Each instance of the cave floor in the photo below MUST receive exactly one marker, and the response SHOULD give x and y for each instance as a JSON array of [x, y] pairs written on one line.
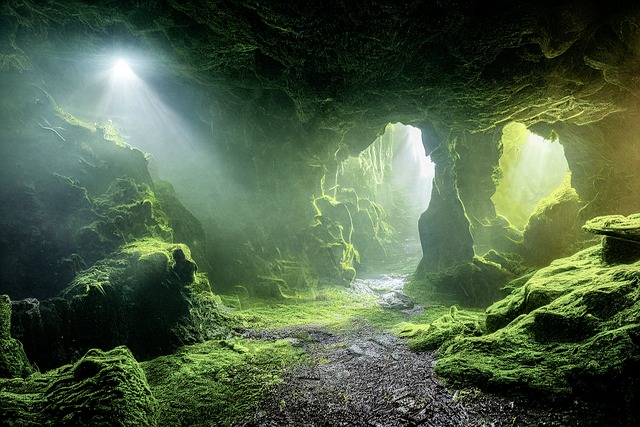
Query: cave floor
[[357, 374]]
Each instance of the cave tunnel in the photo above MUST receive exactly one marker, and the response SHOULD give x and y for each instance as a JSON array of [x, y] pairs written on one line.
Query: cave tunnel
[[246, 213]]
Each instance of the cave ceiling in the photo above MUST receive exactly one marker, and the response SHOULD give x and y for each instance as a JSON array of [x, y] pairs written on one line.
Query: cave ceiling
[[353, 66]]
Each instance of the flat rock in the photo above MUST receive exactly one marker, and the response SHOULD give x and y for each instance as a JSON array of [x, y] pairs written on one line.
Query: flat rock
[[621, 242], [619, 226]]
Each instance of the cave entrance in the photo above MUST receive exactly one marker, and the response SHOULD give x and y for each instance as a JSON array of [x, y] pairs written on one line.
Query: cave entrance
[[530, 168], [396, 174]]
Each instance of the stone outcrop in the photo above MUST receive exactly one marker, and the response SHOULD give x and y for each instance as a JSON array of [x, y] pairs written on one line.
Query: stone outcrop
[[100, 389], [621, 237], [137, 297], [13, 360]]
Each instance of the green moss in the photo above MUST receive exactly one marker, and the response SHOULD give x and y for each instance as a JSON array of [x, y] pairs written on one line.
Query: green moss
[[477, 283], [571, 328], [217, 382], [66, 116], [129, 211], [5, 317], [100, 389], [455, 323], [143, 296], [553, 230], [331, 307], [13, 360]]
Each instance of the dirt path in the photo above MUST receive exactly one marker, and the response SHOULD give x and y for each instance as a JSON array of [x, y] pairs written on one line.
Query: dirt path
[[361, 377]]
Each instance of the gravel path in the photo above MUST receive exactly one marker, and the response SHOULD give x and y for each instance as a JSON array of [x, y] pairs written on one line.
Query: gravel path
[[361, 377]]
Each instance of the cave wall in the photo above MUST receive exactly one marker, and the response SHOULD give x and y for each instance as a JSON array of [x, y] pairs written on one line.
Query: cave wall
[[289, 92], [603, 158]]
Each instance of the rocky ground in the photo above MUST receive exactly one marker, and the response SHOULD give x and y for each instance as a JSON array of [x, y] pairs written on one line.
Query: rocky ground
[[362, 377]]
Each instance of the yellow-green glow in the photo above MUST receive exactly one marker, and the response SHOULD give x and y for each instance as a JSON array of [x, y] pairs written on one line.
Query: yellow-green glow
[[531, 167]]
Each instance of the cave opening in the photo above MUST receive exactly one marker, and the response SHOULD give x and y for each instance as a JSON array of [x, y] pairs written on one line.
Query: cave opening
[[219, 229], [530, 168], [395, 173]]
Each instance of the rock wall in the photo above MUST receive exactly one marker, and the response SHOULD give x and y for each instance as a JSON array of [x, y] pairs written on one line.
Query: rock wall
[[88, 255], [289, 92]]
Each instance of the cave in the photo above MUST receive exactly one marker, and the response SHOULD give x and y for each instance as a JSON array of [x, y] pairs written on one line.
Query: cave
[[249, 213]]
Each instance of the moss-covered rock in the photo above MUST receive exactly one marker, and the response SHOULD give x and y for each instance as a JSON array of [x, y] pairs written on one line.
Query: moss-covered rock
[[476, 283], [431, 336], [13, 360], [621, 241], [216, 382], [186, 227], [570, 329], [100, 389], [137, 297], [553, 230]]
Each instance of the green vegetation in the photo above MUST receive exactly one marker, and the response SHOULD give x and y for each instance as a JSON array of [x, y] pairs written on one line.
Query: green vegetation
[[455, 323], [217, 382], [101, 389], [569, 329], [332, 307], [476, 283], [13, 360]]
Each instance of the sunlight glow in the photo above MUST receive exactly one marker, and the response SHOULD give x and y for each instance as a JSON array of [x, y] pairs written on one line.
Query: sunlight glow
[[531, 168], [121, 70], [137, 108], [413, 171]]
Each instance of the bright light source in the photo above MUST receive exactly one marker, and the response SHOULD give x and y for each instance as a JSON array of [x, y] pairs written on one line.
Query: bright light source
[[531, 168], [121, 70]]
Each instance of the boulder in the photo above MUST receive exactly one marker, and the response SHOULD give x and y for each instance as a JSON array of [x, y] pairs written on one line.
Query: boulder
[[571, 330], [621, 237], [100, 389], [137, 297]]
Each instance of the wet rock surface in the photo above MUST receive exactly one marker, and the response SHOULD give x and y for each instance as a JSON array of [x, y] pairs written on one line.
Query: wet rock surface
[[387, 289], [362, 377]]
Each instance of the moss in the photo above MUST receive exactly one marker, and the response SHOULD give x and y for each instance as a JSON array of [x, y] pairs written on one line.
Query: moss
[[139, 297], [13, 360], [455, 323], [186, 227], [217, 382], [553, 230], [100, 389], [543, 287], [128, 211], [331, 307], [477, 283], [572, 328]]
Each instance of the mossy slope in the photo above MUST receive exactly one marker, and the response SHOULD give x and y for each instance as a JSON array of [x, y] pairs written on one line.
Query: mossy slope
[[216, 382], [100, 389], [572, 329], [137, 297], [13, 360]]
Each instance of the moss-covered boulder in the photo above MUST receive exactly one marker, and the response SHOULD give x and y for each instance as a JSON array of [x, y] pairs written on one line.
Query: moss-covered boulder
[[477, 283], [137, 297], [570, 330], [217, 382], [13, 360], [100, 389], [621, 241], [553, 230]]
